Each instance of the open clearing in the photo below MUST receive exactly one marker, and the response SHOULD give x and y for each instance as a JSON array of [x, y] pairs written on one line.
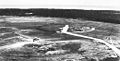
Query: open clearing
[[40, 35]]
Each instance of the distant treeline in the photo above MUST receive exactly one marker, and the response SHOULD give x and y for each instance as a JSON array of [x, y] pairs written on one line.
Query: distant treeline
[[95, 15]]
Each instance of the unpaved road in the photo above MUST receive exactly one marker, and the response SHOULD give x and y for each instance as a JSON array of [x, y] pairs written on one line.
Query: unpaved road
[[17, 45]]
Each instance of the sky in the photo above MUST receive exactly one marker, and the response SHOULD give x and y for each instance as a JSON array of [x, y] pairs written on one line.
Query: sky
[[65, 4]]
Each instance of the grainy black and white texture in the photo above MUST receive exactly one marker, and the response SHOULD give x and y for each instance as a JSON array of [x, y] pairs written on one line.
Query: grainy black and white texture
[[33, 35]]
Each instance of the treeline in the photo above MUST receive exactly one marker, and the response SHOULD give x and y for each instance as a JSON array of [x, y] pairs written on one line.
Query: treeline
[[95, 15]]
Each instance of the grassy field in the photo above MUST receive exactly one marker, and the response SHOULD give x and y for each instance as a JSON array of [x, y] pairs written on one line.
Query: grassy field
[[57, 47]]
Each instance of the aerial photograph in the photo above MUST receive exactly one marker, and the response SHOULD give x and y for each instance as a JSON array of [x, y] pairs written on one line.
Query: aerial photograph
[[59, 30], [59, 35]]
